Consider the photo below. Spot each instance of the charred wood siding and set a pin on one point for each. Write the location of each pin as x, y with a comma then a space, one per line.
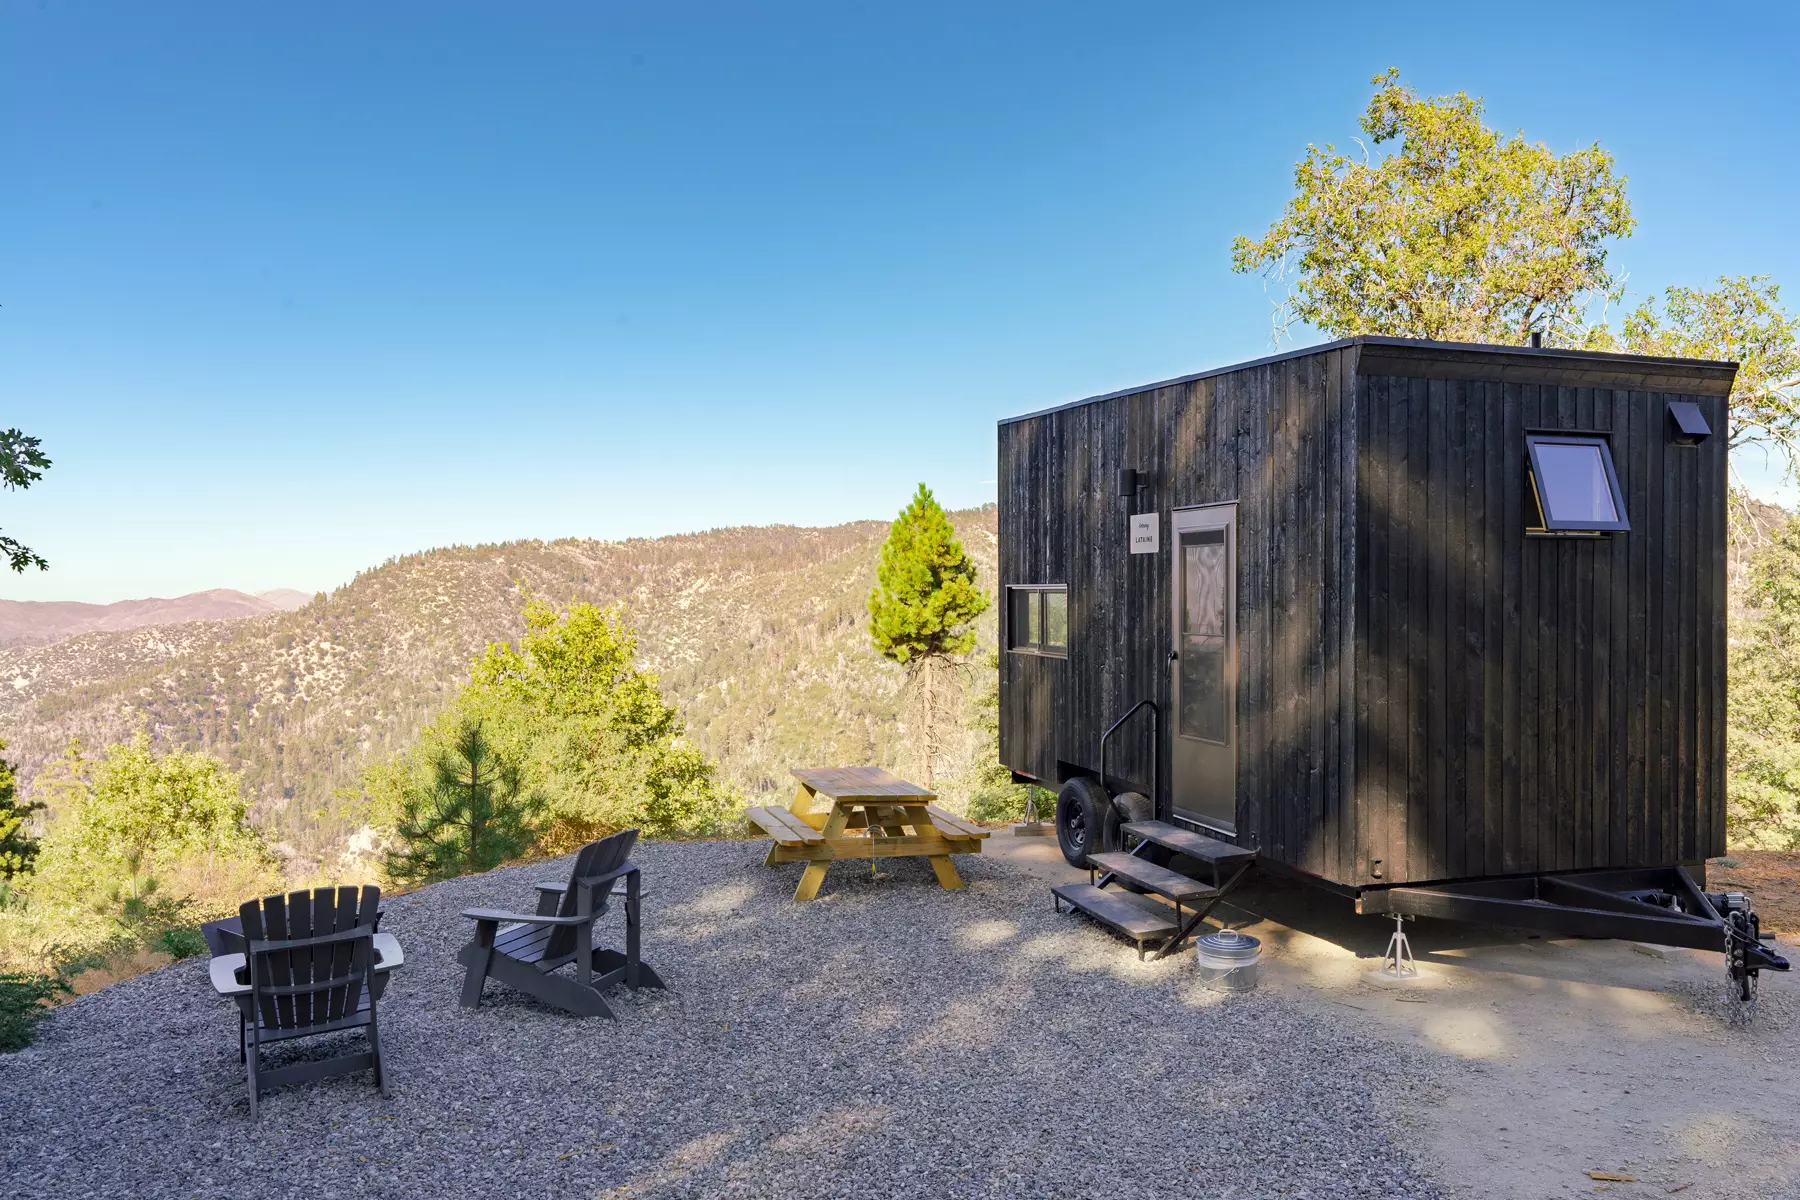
1535, 704
1279, 440
1419, 682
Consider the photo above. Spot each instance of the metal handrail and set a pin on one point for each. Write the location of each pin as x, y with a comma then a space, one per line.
1155, 746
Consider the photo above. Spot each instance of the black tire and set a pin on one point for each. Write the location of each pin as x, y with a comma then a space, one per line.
1133, 806
1086, 822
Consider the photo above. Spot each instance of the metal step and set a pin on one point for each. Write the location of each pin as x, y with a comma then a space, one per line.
1146, 874
1210, 851
1137, 917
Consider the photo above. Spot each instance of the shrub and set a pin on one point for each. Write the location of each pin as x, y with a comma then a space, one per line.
24, 1001
1763, 701
181, 943
590, 746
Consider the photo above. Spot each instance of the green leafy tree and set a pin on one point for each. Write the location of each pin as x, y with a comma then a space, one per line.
18, 849
597, 746
1742, 321
600, 743
121, 823
993, 796
22, 463
920, 612
1455, 233
472, 817
1762, 741
145, 803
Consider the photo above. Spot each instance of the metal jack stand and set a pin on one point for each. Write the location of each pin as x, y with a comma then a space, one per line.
1031, 826
1397, 962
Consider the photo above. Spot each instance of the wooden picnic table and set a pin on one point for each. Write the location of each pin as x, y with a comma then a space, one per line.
867, 813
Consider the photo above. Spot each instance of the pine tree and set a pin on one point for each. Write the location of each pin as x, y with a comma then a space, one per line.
18, 849
471, 818
924, 600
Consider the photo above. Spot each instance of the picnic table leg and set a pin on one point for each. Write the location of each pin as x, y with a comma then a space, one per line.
917, 816
947, 877
814, 875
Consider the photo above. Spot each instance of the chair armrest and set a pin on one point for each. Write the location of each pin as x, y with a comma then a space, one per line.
388, 954
495, 914
223, 970
630, 868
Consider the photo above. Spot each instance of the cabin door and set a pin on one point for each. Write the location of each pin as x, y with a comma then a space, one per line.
1203, 667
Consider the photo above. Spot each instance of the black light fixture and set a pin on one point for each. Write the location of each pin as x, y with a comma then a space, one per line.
1130, 480
1690, 427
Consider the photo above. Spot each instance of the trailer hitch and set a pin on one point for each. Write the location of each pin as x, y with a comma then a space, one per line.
1745, 954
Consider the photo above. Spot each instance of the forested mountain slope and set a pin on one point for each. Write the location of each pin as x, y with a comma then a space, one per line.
759, 635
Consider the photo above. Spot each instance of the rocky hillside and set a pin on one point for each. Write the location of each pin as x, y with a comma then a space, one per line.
758, 633
28, 622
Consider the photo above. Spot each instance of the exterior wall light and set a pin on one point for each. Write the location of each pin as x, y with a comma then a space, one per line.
1690, 427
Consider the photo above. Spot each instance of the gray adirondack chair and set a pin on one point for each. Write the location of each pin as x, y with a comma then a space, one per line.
525, 951
311, 960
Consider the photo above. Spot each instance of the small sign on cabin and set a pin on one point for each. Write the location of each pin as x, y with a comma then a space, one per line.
1146, 533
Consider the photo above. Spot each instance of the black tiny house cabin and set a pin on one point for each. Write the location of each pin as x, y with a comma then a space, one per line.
1406, 611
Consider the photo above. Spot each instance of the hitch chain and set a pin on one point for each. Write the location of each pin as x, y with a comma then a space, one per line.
1745, 954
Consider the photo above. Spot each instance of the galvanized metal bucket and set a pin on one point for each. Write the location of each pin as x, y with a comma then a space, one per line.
1226, 961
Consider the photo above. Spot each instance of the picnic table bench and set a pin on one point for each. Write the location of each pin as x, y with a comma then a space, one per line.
868, 813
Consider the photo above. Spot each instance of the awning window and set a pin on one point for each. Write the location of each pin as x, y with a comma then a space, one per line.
1574, 489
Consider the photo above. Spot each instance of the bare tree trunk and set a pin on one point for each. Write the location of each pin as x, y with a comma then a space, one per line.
923, 683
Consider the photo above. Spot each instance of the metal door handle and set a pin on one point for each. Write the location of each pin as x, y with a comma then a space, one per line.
1173, 655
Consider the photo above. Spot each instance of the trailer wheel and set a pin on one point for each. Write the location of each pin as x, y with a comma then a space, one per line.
1086, 822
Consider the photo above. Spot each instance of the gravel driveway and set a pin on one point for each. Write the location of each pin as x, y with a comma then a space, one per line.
889, 1039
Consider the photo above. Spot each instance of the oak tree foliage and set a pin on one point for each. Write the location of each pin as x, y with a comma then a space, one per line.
22, 463
1447, 230
143, 841
1763, 700
1739, 320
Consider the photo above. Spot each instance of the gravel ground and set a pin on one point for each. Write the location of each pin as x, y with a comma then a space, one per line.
889, 1039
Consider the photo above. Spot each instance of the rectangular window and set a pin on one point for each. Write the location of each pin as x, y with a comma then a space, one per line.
1205, 581
1574, 489
1056, 621
1037, 619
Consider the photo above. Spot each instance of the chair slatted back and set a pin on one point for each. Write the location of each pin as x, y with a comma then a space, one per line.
310, 954
595, 858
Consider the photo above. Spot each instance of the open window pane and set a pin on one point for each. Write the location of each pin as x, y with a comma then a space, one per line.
1575, 485
1056, 620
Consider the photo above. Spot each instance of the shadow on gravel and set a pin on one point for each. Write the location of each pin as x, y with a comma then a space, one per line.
888, 1039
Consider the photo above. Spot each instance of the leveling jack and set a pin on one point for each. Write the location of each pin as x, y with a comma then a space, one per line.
1397, 962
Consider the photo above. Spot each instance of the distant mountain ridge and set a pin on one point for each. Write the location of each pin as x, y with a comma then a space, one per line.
759, 634
39, 622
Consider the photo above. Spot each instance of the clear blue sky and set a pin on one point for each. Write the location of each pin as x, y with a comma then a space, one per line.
288, 289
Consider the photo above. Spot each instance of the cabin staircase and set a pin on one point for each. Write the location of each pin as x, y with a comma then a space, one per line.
1143, 918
